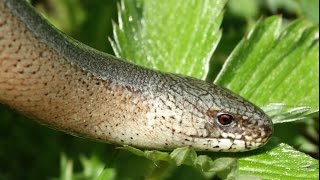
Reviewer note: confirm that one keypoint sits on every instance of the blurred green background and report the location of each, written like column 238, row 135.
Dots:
column 31, row 151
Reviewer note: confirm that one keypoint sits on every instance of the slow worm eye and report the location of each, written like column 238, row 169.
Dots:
column 224, row 119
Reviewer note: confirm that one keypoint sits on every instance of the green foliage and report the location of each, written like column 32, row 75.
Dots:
column 247, row 9
column 84, row 20
column 276, row 68
column 150, row 34
column 225, row 167
column 310, row 9
column 92, row 169
column 275, row 160
column 282, row 162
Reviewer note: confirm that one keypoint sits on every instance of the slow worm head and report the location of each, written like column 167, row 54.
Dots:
column 73, row 88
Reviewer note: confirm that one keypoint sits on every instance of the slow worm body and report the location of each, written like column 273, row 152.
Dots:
column 73, row 88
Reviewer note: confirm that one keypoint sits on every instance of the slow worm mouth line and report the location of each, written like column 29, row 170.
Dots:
column 66, row 85
column 228, row 145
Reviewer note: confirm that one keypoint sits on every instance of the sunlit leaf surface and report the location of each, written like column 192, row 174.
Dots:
column 281, row 162
column 277, row 69
column 175, row 36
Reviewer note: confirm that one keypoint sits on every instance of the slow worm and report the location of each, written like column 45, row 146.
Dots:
column 73, row 88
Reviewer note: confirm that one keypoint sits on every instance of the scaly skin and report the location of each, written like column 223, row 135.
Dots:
column 76, row 89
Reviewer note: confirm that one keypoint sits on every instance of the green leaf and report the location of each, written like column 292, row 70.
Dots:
column 107, row 174
column 290, row 6
column 156, row 156
column 224, row 167
column 280, row 162
column 274, row 161
column 183, row 155
column 176, row 36
column 276, row 68
column 248, row 8
column 92, row 167
column 310, row 9
column 66, row 168
column 133, row 150
column 65, row 15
